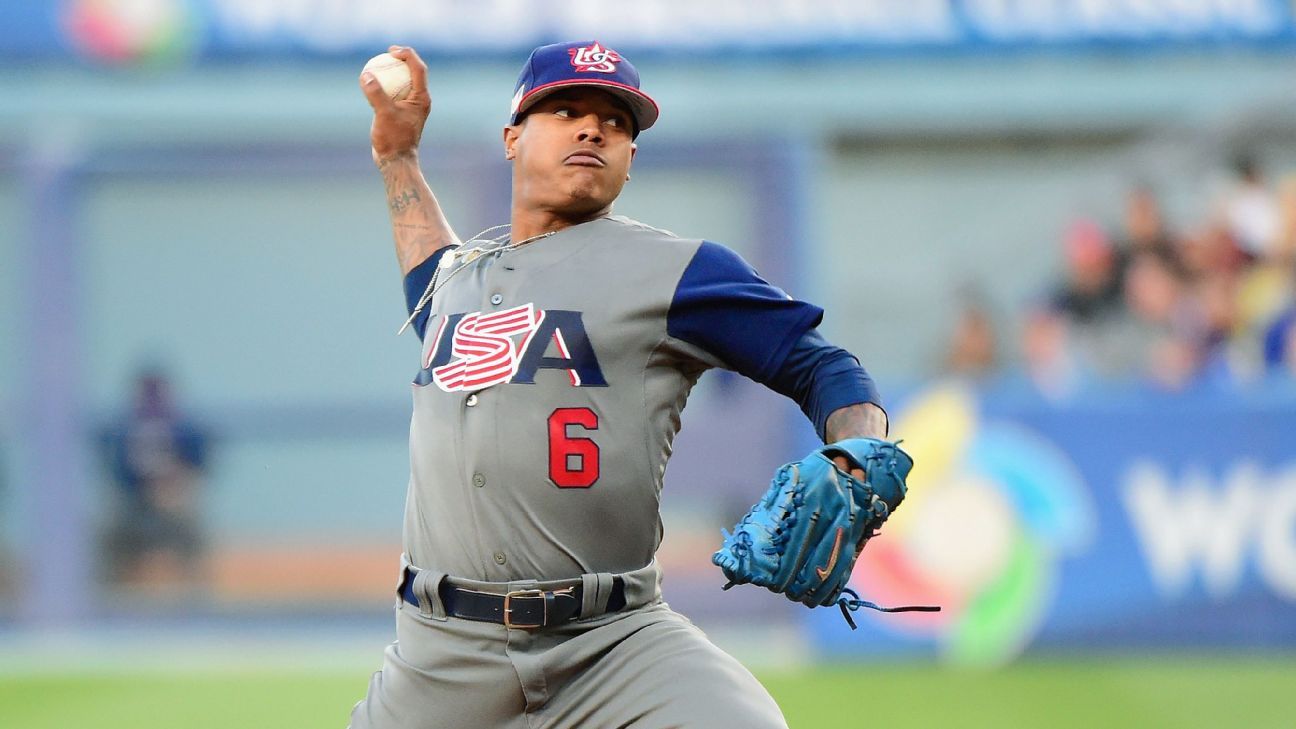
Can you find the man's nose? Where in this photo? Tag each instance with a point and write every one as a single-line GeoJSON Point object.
{"type": "Point", "coordinates": [590, 129]}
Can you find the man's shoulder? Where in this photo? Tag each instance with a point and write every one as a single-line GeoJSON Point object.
{"type": "Point", "coordinates": [630, 243]}
{"type": "Point", "coordinates": [638, 231]}
{"type": "Point", "coordinates": [632, 225]}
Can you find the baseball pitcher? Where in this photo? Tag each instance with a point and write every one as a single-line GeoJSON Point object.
{"type": "Point", "coordinates": [557, 354]}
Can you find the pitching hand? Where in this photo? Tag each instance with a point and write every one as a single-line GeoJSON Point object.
{"type": "Point", "coordinates": [398, 125]}
{"type": "Point", "coordinates": [845, 466]}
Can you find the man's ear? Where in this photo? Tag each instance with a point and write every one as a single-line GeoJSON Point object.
{"type": "Point", "coordinates": [633, 148]}
{"type": "Point", "coordinates": [511, 134]}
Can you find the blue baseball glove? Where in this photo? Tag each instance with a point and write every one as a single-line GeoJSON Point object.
{"type": "Point", "coordinates": [803, 537]}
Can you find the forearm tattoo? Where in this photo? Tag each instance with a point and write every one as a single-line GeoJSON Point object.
{"type": "Point", "coordinates": [864, 420]}
{"type": "Point", "coordinates": [404, 200]}
{"type": "Point", "coordinates": [419, 226]}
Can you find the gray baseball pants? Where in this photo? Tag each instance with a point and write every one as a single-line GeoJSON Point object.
{"type": "Point", "coordinates": [644, 667]}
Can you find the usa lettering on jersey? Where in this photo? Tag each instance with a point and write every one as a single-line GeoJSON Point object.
{"type": "Point", "coordinates": [594, 58]}
{"type": "Point", "coordinates": [477, 350]}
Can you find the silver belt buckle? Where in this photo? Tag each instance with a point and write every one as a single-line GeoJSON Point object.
{"type": "Point", "coordinates": [508, 608]}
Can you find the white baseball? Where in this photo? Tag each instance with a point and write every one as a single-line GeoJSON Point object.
{"type": "Point", "coordinates": [392, 74]}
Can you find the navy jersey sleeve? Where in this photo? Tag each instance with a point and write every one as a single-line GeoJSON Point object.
{"type": "Point", "coordinates": [822, 379]}
{"type": "Point", "coordinates": [724, 307]}
{"type": "Point", "coordinates": [416, 283]}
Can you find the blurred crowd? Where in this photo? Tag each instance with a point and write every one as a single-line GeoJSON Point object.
{"type": "Point", "coordinates": [1211, 304]}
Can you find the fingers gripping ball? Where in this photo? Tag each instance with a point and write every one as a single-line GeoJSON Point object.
{"type": "Point", "coordinates": [392, 74]}
{"type": "Point", "coordinates": [803, 537]}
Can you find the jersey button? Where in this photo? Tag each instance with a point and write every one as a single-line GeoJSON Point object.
{"type": "Point", "coordinates": [472, 400]}
{"type": "Point", "coordinates": [496, 299]}
{"type": "Point", "coordinates": [479, 480]}
{"type": "Point", "coordinates": [500, 558]}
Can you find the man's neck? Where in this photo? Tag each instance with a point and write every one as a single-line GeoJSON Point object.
{"type": "Point", "coordinates": [531, 223]}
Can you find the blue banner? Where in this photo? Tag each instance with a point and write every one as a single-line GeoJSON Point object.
{"type": "Point", "coordinates": [125, 31]}
{"type": "Point", "coordinates": [1139, 520]}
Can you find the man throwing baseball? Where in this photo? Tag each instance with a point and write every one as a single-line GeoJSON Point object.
{"type": "Point", "coordinates": [556, 358]}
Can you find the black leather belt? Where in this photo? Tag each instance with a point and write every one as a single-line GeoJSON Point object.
{"type": "Point", "coordinates": [516, 609]}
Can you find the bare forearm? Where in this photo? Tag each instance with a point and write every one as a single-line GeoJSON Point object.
{"type": "Point", "coordinates": [864, 420]}
{"type": "Point", "coordinates": [418, 224]}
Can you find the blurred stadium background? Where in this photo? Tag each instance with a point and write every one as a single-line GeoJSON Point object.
{"type": "Point", "coordinates": [1061, 234]}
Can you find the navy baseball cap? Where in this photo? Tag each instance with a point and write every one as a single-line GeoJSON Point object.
{"type": "Point", "coordinates": [581, 63]}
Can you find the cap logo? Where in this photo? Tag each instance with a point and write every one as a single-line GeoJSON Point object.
{"type": "Point", "coordinates": [594, 58]}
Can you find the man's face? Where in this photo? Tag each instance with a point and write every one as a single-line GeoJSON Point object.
{"type": "Point", "coordinates": [572, 152]}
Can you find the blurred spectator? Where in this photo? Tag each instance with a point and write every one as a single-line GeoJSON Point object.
{"type": "Point", "coordinates": [156, 458]}
{"type": "Point", "coordinates": [1143, 230]}
{"type": "Point", "coordinates": [1049, 356]}
{"type": "Point", "coordinates": [1155, 293]}
{"type": "Point", "coordinates": [1087, 303]}
{"type": "Point", "coordinates": [974, 346]}
{"type": "Point", "coordinates": [1091, 290]}
{"type": "Point", "coordinates": [1214, 309]}
{"type": "Point", "coordinates": [1250, 210]}
{"type": "Point", "coordinates": [1144, 226]}
{"type": "Point", "coordinates": [1209, 250]}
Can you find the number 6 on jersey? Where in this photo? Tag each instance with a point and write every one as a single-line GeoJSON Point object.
{"type": "Point", "coordinates": [573, 461]}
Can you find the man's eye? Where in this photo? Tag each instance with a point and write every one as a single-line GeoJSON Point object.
{"type": "Point", "coordinates": [615, 121]}
{"type": "Point", "coordinates": [563, 111]}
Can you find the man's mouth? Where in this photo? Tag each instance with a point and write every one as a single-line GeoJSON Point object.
{"type": "Point", "coordinates": [585, 158]}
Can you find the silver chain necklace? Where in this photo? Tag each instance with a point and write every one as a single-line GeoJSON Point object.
{"type": "Point", "coordinates": [493, 246]}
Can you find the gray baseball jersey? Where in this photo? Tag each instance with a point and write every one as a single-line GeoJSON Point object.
{"type": "Point", "coordinates": [552, 383]}
{"type": "Point", "coordinates": [553, 376]}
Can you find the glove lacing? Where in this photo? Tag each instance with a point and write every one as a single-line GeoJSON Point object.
{"type": "Point", "coordinates": [849, 601]}
{"type": "Point", "coordinates": [854, 602]}
{"type": "Point", "coordinates": [742, 540]}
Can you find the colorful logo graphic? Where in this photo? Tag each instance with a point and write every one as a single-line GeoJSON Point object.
{"type": "Point", "coordinates": [594, 58]}
{"type": "Point", "coordinates": [129, 31]}
{"type": "Point", "coordinates": [991, 510]}
{"type": "Point", "coordinates": [471, 352]}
